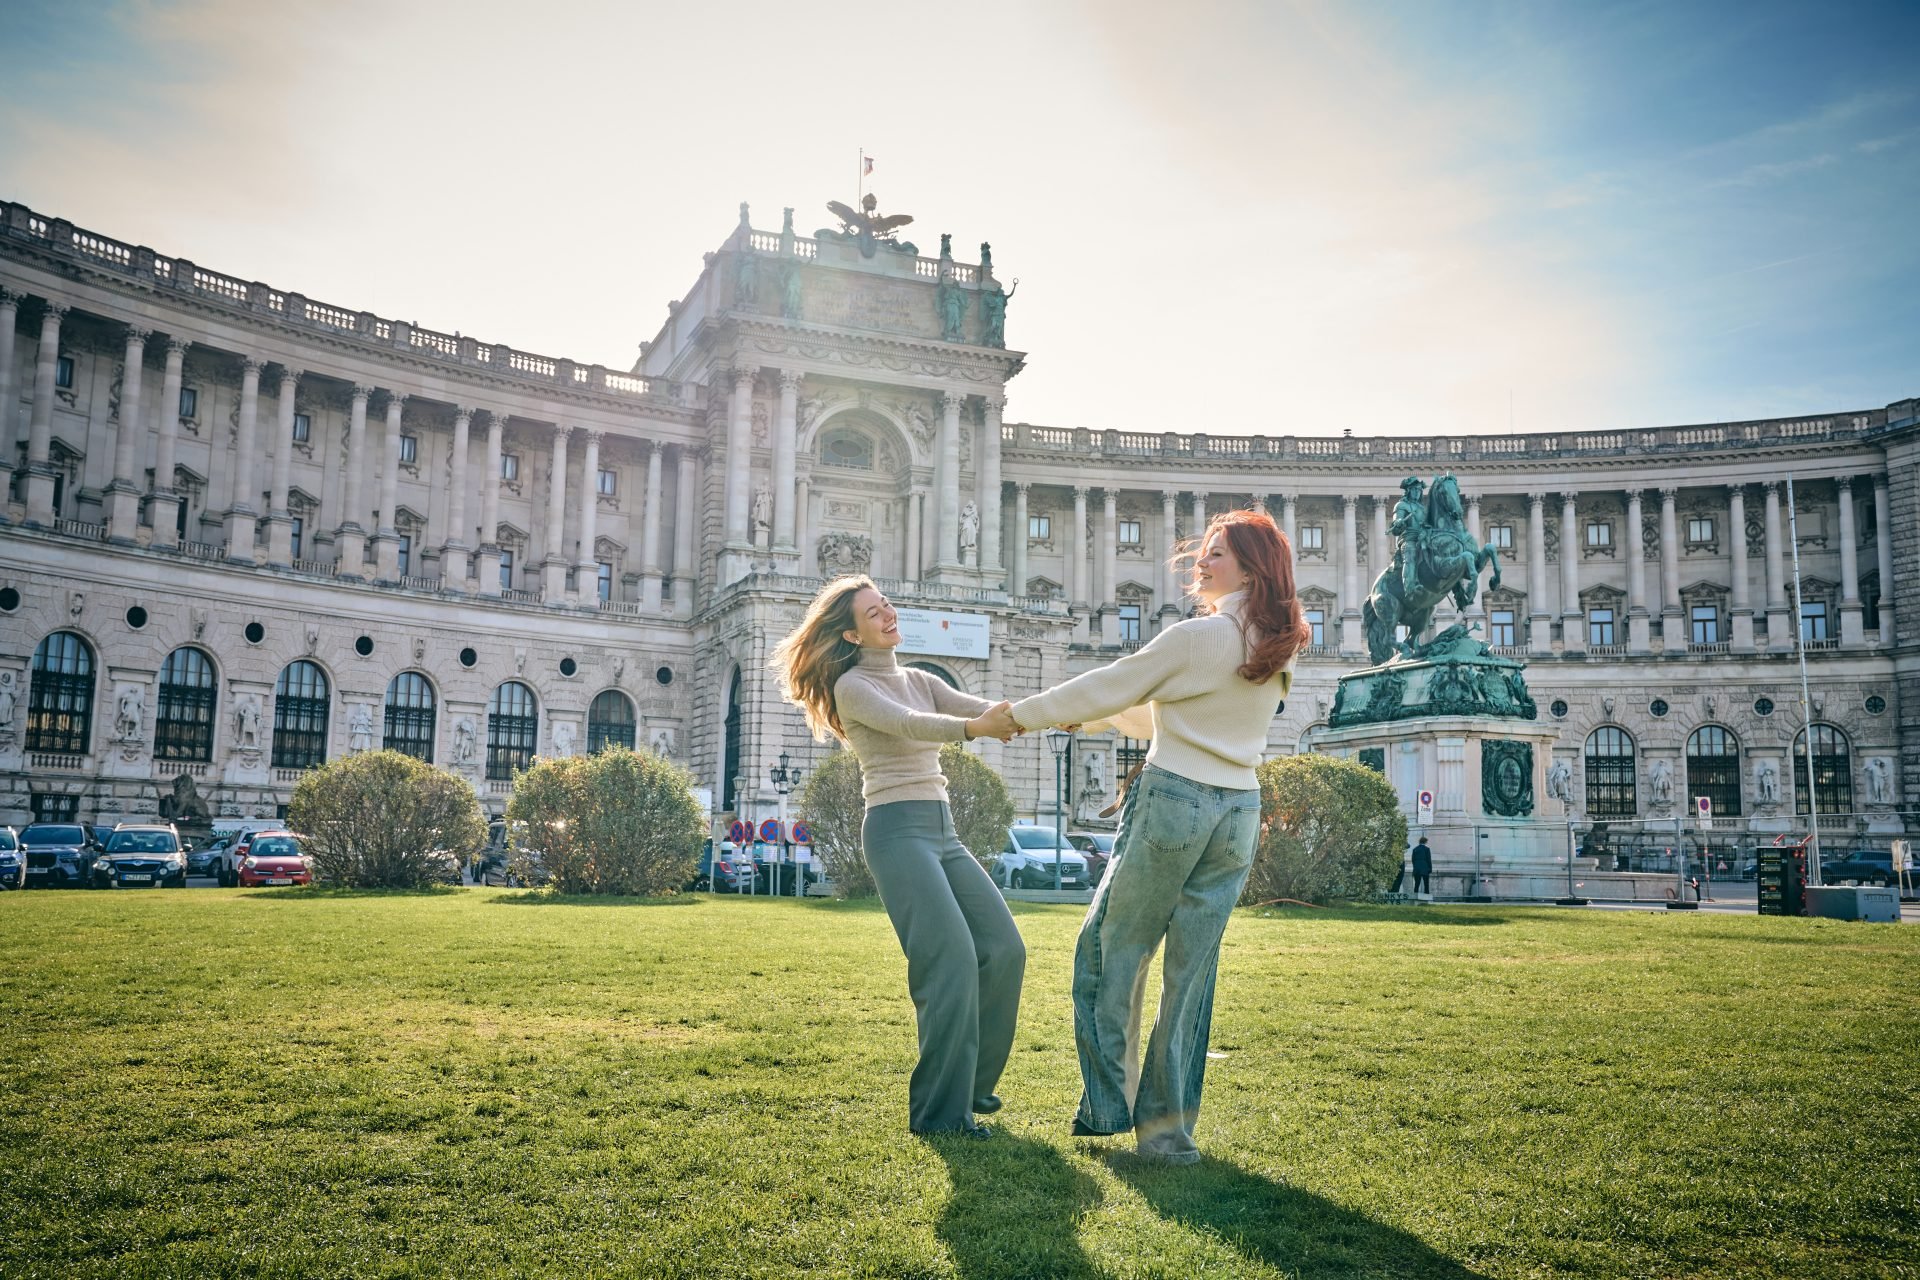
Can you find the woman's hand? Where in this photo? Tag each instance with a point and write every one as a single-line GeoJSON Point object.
{"type": "Point", "coordinates": [995, 722]}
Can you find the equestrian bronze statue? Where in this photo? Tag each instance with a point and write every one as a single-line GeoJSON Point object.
{"type": "Point", "coordinates": [1436, 558]}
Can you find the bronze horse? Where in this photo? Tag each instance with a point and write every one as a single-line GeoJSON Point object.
{"type": "Point", "coordinates": [1436, 558]}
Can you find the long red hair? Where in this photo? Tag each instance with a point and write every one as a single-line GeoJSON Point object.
{"type": "Point", "coordinates": [1272, 623]}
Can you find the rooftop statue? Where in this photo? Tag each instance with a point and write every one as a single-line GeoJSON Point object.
{"type": "Point", "coordinates": [867, 229]}
{"type": "Point", "coordinates": [1436, 558]}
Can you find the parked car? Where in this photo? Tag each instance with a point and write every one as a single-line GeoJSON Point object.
{"type": "Point", "coordinates": [272, 858]}
{"type": "Point", "coordinates": [726, 870]}
{"type": "Point", "coordinates": [1861, 866]}
{"type": "Point", "coordinates": [1027, 861]}
{"type": "Point", "coordinates": [499, 862]}
{"type": "Point", "coordinates": [205, 861]}
{"type": "Point", "coordinates": [13, 860]}
{"type": "Point", "coordinates": [141, 854]}
{"type": "Point", "coordinates": [1097, 848]}
{"type": "Point", "coordinates": [59, 855]}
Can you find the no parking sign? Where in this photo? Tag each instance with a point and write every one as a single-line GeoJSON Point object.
{"type": "Point", "coordinates": [739, 832]}
{"type": "Point", "coordinates": [802, 833]}
{"type": "Point", "coordinates": [770, 831]}
{"type": "Point", "coordinates": [1426, 805]}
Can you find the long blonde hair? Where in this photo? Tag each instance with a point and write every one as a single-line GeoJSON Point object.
{"type": "Point", "coordinates": [817, 653]}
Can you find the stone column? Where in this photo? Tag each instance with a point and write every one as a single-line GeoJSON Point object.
{"type": "Point", "coordinates": [1478, 609]}
{"type": "Point", "coordinates": [650, 535]}
{"type": "Point", "coordinates": [586, 582]}
{"type": "Point", "coordinates": [123, 495]}
{"type": "Point", "coordinates": [806, 563]}
{"type": "Point", "coordinates": [1883, 549]}
{"type": "Point", "coordinates": [1740, 624]}
{"type": "Point", "coordinates": [1352, 639]}
{"type": "Point", "coordinates": [350, 539]}
{"type": "Point", "coordinates": [1199, 518]}
{"type": "Point", "coordinates": [948, 553]}
{"type": "Point", "coordinates": [1379, 554]}
{"type": "Point", "coordinates": [1539, 594]}
{"type": "Point", "coordinates": [164, 505]}
{"type": "Point", "coordinates": [242, 516]}
{"type": "Point", "coordinates": [1673, 623]}
{"type": "Point", "coordinates": [553, 565]}
{"type": "Point", "coordinates": [1852, 630]}
{"type": "Point", "coordinates": [686, 477]}
{"type": "Point", "coordinates": [453, 552]}
{"type": "Point", "coordinates": [1018, 586]}
{"type": "Point", "coordinates": [386, 540]}
{"type": "Point", "coordinates": [786, 436]}
{"type": "Point", "coordinates": [1573, 629]}
{"type": "Point", "coordinates": [1109, 568]}
{"type": "Point", "coordinates": [740, 467]}
{"type": "Point", "coordinates": [40, 424]}
{"type": "Point", "coordinates": [9, 406]}
{"type": "Point", "coordinates": [1290, 521]}
{"type": "Point", "coordinates": [1639, 620]}
{"type": "Point", "coordinates": [916, 518]}
{"type": "Point", "coordinates": [1169, 580]}
{"type": "Point", "coordinates": [990, 500]}
{"type": "Point", "coordinates": [279, 514]}
{"type": "Point", "coordinates": [1780, 634]}
{"type": "Point", "coordinates": [489, 568]}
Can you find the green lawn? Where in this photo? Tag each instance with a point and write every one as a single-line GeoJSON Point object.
{"type": "Point", "coordinates": [284, 1083]}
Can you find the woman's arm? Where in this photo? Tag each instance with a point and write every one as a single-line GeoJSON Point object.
{"type": "Point", "coordinates": [950, 701]}
{"type": "Point", "coordinates": [859, 700]}
{"type": "Point", "coordinates": [1111, 690]}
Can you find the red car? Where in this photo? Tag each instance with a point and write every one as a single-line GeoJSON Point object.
{"type": "Point", "coordinates": [273, 857]}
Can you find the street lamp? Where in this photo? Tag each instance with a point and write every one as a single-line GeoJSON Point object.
{"type": "Point", "coordinates": [785, 778]}
{"type": "Point", "coordinates": [1059, 740]}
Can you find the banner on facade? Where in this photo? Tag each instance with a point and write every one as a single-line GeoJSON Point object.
{"type": "Point", "coordinates": [947, 635]}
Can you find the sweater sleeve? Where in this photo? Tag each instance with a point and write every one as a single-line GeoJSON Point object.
{"type": "Point", "coordinates": [1108, 691]}
{"type": "Point", "coordinates": [861, 700]}
{"type": "Point", "coordinates": [950, 701]}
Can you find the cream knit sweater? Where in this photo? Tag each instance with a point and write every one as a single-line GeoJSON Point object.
{"type": "Point", "coordinates": [895, 719]}
{"type": "Point", "coordinates": [1207, 724]}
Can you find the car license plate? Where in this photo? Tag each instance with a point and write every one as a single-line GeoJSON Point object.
{"type": "Point", "coordinates": [135, 879]}
{"type": "Point", "coordinates": [279, 880]}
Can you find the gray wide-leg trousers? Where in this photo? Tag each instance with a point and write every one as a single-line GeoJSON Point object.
{"type": "Point", "coordinates": [965, 959]}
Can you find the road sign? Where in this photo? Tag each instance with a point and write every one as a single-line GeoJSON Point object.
{"type": "Point", "coordinates": [1703, 806]}
{"type": "Point", "coordinates": [739, 832]}
{"type": "Point", "coordinates": [1426, 806]}
{"type": "Point", "coordinates": [770, 831]}
{"type": "Point", "coordinates": [802, 833]}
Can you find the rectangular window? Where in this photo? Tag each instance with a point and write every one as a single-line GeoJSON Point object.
{"type": "Point", "coordinates": [509, 466]}
{"type": "Point", "coordinates": [63, 373]}
{"type": "Point", "coordinates": [1313, 537]}
{"type": "Point", "coordinates": [1317, 623]}
{"type": "Point", "coordinates": [1500, 627]}
{"type": "Point", "coordinates": [302, 428]}
{"type": "Point", "coordinates": [1500, 536]}
{"type": "Point", "coordinates": [1599, 533]}
{"type": "Point", "coordinates": [1129, 624]}
{"type": "Point", "coordinates": [1039, 528]}
{"type": "Point", "coordinates": [1129, 533]}
{"type": "Point", "coordinates": [299, 535]}
{"type": "Point", "coordinates": [50, 806]}
{"type": "Point", "coordinates": [1813, 620]}
{"type": "Point", "coordinates": [506, 569]}
{"type": "Point", "coordinates": [406, 554]}
{"type": "Point", "coordinates": [1870, 608]}
{"type": "Point", "coordinates": [609, 482]}
{"type": "Point", "coordinates": [410, 451]}
{"type": "Point", "coordinates": [189, 402]}
{"type": "Point", "coordinates": [1699, 528]}
{"type": "Point", "coordinates": [1706, 624]}
{"type": "Point", "coordinates": [605, 579]}
{"type": "Point", "coordinates": [1599, 626]}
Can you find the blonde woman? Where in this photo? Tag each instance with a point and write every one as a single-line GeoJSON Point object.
{"type": "Point", "coordinates": [965, 959]}
{"type": "Point", "coordinates": [1206, 691]}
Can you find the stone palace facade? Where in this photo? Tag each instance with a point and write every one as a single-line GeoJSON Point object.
{"type": "Point", "coordinates": [246, 531]}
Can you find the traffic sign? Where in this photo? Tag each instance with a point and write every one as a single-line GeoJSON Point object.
{"type": "Point", "coordinates": [1426, 806]}
{"type": "Point", "coordinates": [1703, 805]}
{"type": "Point", "coordinates": [802, 833]}
{"type": "Point", "coordinates": [739, 832]}
{"type": "Point", "coordinates": [770, 831]}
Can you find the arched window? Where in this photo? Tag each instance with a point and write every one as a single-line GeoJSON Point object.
{"type": "Point", "coordinates": [610, 721]}
{"type": "Point", "coordinates": [410, 716]}
{"type": "Point", "coordinates": [1610, 786]}
{"type": "Point", "coordinates": [730, 759]}
{"type": "Point", "coordinates": [844, 448]}
{"type": "Point", "coordinates": [1832, 770]}
{"type": "Point", "coordinates": [183, 725]}
{"type": "Point", "coordinates": [935, 669]}
{"type": "Point", "coordinates": [1713, 769]}
{"type": "Point", "coordinates": [60, 701]}
{"type": "Point", "coordinates": [1309, 736]}
{"type": "Point", "coordinates": [302, 705]}
{"type": "Point", "coordinates": [513, 730]}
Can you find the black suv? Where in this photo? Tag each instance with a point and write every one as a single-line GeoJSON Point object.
{"type": "Point", "coordinates": [141, 855]}
{"type": "Point", "coordinates": [1865, 866]}
{"type": "Point", "coordinates": [59, 855]}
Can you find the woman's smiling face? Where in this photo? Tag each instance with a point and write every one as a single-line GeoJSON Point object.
{"type": "Point", "coordinates": [875, 624]}
{"type": "Point", "coordinates": [1217, 572]}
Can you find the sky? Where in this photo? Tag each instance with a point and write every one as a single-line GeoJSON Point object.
{"type": "Point", "coordinates": [1269, 217]}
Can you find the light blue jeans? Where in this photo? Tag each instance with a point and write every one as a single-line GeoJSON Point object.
{"type": "Point", "coordinates": [1179, 863]}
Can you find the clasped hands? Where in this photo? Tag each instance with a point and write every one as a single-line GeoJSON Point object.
{"type": "Point", "coordinates": [997, 722]}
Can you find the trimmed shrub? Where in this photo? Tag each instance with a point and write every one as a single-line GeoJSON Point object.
{"type": "Point", "coordinates": [982, 807]}
{"type": "Point", "coordinates": [1331, 829]}
{"type": "Point", "coordinates": [382, 819]}
{"type": "Point", "coordinates": [615, 822]}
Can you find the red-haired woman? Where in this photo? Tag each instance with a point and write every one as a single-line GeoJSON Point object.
{"type": "Point", "coordinates": [1206, 690]}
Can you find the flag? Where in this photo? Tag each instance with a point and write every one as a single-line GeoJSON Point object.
{"type": "Point", "coordinates": [868, 160]}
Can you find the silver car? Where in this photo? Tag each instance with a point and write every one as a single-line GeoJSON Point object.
{"type": "Point", "coordinates": [1029, 859]}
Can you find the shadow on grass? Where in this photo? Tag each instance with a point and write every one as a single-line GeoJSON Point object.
{"type": "Point", "coordinates": [336, 892]}
{"type": "Point", "coordinates": [1458, 916]}
{"type": "Point", "coordinates": [545, 898]}
{"type": "Point", "coordinates": [1015, 1209]}
{"type": "Point", "coordinates": [1292, 1231]}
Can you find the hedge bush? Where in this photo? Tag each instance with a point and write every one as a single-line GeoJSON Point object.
{"type": "Point", "coordinates": [1331, 829]}
{"type": "Point", "coordinates": [383, 819]}
{"type": "Point", "coordinates": [616, 822]}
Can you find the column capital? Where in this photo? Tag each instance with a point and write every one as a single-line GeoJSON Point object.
{"type": "Point", "coordinates": [952, 401]}
{"type": "Point", "coordinates": [994, 404]}
{"type": "Point", "coordinates": [135, 334]}
{"type": "Point", "coordinates": [362, 393]}
{"type": "Point", "coordinates": [396, 400]}
{"type": "Point", "coordinates": [1634, 493]}
{"type": "Point", "coordinates": [1845, 483]}
{"type": "Point", "coordinates": [1569, 496]}
{"type": "Point", "coordinates": [561, 431]}
{"type": "Point", "coordinates": [1169, 495]}
{"type": "Point", "coordinates": [1110, 496]}
{"type": "Point", "coordinates": [1080, 492]}
{"type": "Point", "coordinates": [177, 347]}
{"type": "Point", "coordinates": [290, 376]}
{"type": "Point", "coordinates": [461, 413]}
{"type": "Point", "coordinates": [593, 437]}
{"type": "Point", "coordinates": [744, 373]}
{"type": "Point", "coordinates": [497, 417]}
{"type": "Point", "coordinates": [1473, 500]}
{"type": "Point", "coordinates": [1021, 486]}
{"type": "Point", "coordinates": [1770, 487]}
{"type": "Point", "coordinates": [1537, 500]}
{"type": "Point", "coordinates": [1668, 493]}
{"type": "Point", "coordinates": [252, 365]}
{"type": "Point", "coordinates": [10, 297]}
{"type": "Point", "coordinates": [791, 379]}
{"type": "Point", "coordinates": [1352, 501]}
{"type": "Point", "coordinates": [55, 311]}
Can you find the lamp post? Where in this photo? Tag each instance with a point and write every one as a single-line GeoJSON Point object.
{"type": "Point", "coordinates": [739, 805]}
{"type": "Point", "coordinates": [1059, 740]}
{"type": "Point", "coordinates": [785, 778]}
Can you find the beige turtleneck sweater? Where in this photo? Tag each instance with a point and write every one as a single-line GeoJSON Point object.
{"type": "Point", "coordinates": [895, 719]}
{"type": "Point", "coordinates": [1182, 690]}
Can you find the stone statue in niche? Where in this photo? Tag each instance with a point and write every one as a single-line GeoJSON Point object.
{"type": "Point", "coordinates": [360, 729]}
{"type": "Point", "coordinates": [1766, 784]}
{"type": "Point", "coordinates": [969, 527]}
{"type": "Point", "coordinates": [950, 302]}
{"type": "Point", "coordinates": [1560, 782]}
{"type": "Point", "coordinates": [746, 276]}
{"type": "Point", "coordinates": [563, 738]}
{"type": "Point", "coordinates": [466, 741]}
{"type": "Point", "coordinates": [246, 723]}
{"type": "Point", "coordinates": [790, 292]}
{"type": "Point", "coordinates": [129, 712]}
{"type": "Point", "coordinates": [1660, 783]}
{"type": "Point", "coordinates": [661, 741]}
{"type": "Point", "coordinates": [9, 703]}
{"type": "Point", "coordinates": [1879, 781]}
{"type": "Point", "coordinates": [762, 511]}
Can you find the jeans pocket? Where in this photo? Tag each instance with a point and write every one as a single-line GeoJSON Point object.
{"type": "Point", "coordinates": [1243, 833]}
{"type": "Point", "coordinates": [1167, 821]}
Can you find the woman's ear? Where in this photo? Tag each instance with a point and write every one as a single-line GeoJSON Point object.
{"type": "Point", "coordinates": [851, 637]}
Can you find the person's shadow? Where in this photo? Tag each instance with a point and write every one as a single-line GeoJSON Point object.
{"type": "Point", "coordinates": [1007, 1181]}
{"type": "Point", "coordinates": [1295, 1232]}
